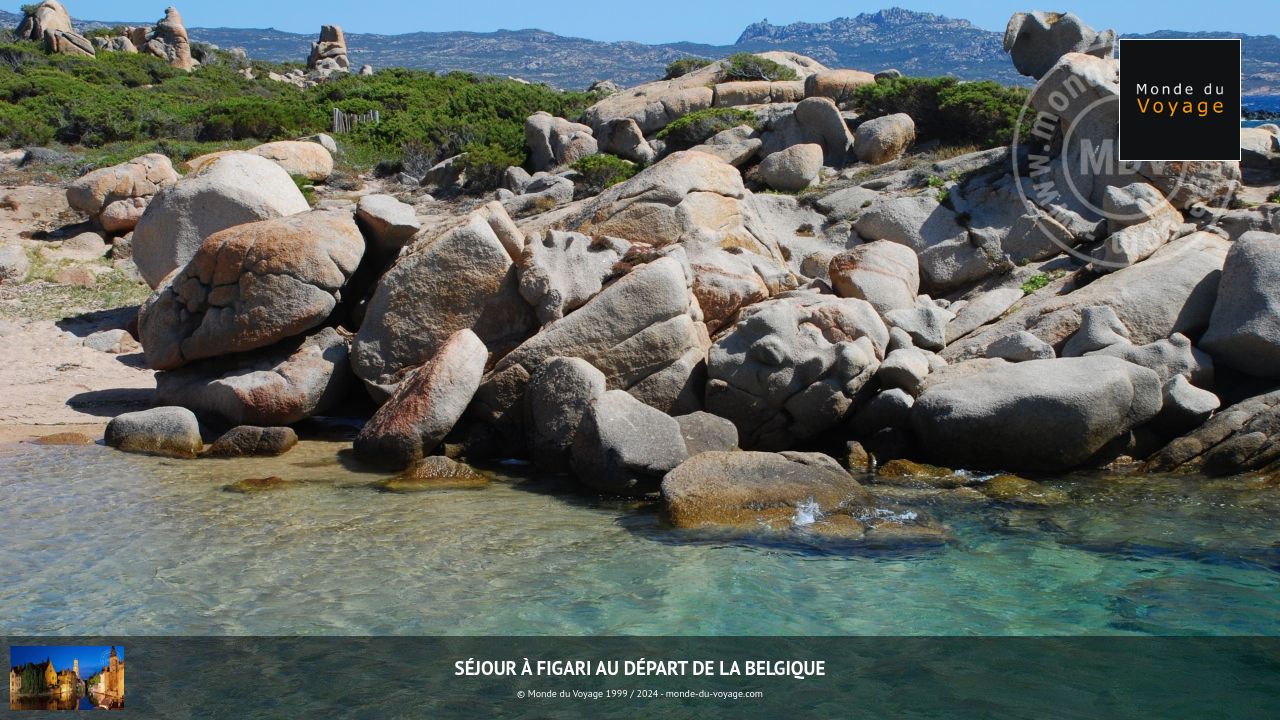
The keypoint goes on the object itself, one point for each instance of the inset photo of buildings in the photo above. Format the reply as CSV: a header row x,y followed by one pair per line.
x,y
66,677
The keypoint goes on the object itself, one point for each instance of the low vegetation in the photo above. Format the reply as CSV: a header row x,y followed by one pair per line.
x,y
745,66
42,297
1036,282
699,126
600,172
945,109
684,66
119,105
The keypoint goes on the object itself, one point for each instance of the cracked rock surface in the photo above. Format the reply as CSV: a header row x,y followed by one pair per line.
x,y
251,286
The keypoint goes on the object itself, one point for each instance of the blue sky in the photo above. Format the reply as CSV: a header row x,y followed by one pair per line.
x,y
92,659
710,21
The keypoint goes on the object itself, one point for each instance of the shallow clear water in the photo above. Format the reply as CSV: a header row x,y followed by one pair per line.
x,y
96,541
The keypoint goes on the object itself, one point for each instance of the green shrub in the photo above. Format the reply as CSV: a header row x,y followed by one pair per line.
x,y
699,126
484,164
982,113
684,66
115,102
600,172
258,118
745,66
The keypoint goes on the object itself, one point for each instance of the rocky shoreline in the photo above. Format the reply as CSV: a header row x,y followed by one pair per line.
x,y
749,328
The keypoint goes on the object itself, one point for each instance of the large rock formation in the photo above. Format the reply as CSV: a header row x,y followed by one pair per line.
x,y
310,160
426,406
329,53
644,332
465,277
115,197
697,201
1036,40
793,366
655,105
233,190
1173,291
555,141
947,256
814,120
251,286
838,85
1242,438
60,42
1037,416
793,169
169,41
885,274
280,385
882,139
624,447
1244,330
561,271
45,17
560,393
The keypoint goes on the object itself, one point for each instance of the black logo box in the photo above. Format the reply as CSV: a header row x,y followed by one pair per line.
x,y
1188,64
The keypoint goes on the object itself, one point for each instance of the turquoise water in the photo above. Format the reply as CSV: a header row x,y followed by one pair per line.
x,y
97,541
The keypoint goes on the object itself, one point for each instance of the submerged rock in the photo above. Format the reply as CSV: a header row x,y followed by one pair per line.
x,y
249,441
64,438
249,486
1020,491
165,431
753,488
434,473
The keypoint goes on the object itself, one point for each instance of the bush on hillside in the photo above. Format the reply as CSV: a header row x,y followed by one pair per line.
x,y
120,100
684,66
485,163
745,66
943,108
601,172
699,126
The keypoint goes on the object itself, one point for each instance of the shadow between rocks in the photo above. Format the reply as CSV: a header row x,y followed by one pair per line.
x,y
109,403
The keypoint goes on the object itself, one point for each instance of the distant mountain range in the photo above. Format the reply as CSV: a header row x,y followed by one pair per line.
x,y
913,42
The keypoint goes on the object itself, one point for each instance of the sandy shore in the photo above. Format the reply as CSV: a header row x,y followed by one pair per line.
x,y
50,379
